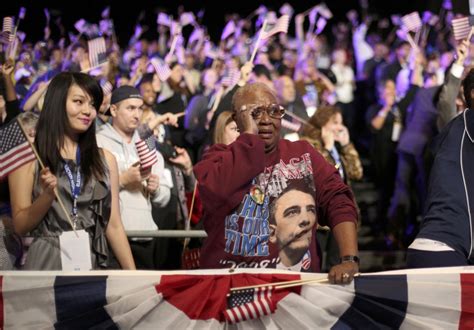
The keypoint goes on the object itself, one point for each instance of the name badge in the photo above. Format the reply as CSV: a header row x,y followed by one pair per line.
x,y
75,251
397,129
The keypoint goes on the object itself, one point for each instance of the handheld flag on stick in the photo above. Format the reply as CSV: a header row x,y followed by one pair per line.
x,y
163,19
411,22
107,88
146,152
281,25
249,304
14,149
162,69
97,52
462,27
7,31
229,29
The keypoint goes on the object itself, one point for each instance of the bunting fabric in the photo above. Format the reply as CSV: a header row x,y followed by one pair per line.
x,y
441,298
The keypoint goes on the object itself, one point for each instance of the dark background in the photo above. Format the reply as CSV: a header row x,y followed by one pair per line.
x,y
126,12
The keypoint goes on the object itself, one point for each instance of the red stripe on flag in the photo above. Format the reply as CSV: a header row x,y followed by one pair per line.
x,y
466,320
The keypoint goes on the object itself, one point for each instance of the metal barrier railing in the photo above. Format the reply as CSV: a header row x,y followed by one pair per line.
x,y
166,233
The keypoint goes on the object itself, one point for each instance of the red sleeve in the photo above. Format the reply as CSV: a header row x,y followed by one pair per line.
x,y
335,199
226,171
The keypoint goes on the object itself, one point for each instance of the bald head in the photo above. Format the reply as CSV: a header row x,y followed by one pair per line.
x,y
255,93
257,96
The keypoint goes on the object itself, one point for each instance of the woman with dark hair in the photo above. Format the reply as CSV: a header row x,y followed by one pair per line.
x,y
84,176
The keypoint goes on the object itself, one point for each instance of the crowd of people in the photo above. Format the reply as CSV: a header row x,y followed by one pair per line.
x,y
260,153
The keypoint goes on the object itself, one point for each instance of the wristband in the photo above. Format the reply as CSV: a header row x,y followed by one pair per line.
x,y
350,259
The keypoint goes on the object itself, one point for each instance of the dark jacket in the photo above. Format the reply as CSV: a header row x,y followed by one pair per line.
x,y
450,203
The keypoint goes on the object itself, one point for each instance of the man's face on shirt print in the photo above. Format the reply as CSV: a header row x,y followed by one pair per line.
x,y
292,219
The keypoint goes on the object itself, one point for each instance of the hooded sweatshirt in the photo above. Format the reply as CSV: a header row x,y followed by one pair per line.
x,y
135,208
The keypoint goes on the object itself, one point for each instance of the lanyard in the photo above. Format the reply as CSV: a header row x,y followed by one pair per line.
x,y
337,159
75,184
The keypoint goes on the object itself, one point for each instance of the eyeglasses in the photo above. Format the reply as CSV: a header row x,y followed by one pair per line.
x,y
256,110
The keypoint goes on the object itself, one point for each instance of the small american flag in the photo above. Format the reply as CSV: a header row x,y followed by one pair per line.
x,y
280,26
14,149
162,69
411,22
187,18
231,78
249,304
462,27
7,25
7,36
229,29
163,19
107,88
97,52
290,125
146,152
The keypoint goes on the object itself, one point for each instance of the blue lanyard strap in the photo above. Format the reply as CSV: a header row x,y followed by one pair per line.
x,y
74,183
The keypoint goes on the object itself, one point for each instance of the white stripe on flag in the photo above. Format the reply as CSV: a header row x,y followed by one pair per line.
x,y
244,312
425,303
28,302
253,310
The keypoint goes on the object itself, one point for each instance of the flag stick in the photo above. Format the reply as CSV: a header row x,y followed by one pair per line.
x,y
43,167
190,213
410,41
418,35
469,36
219,95
257,43
278,285
173,45
292,115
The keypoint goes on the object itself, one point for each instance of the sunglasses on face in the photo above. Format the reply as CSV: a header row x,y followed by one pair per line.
x,y
256,110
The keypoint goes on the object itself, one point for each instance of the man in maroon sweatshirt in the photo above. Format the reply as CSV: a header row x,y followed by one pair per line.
x,y
242,187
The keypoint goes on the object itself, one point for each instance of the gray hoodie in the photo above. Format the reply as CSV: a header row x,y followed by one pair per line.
x,y
135,209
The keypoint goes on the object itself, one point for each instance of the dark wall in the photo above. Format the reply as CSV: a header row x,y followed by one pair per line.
x,y
125,13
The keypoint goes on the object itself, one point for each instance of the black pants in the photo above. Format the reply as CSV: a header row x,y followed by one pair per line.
x,y
144,254
430,259
404,207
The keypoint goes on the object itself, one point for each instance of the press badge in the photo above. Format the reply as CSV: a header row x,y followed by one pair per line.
x,y
397,129
75,251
